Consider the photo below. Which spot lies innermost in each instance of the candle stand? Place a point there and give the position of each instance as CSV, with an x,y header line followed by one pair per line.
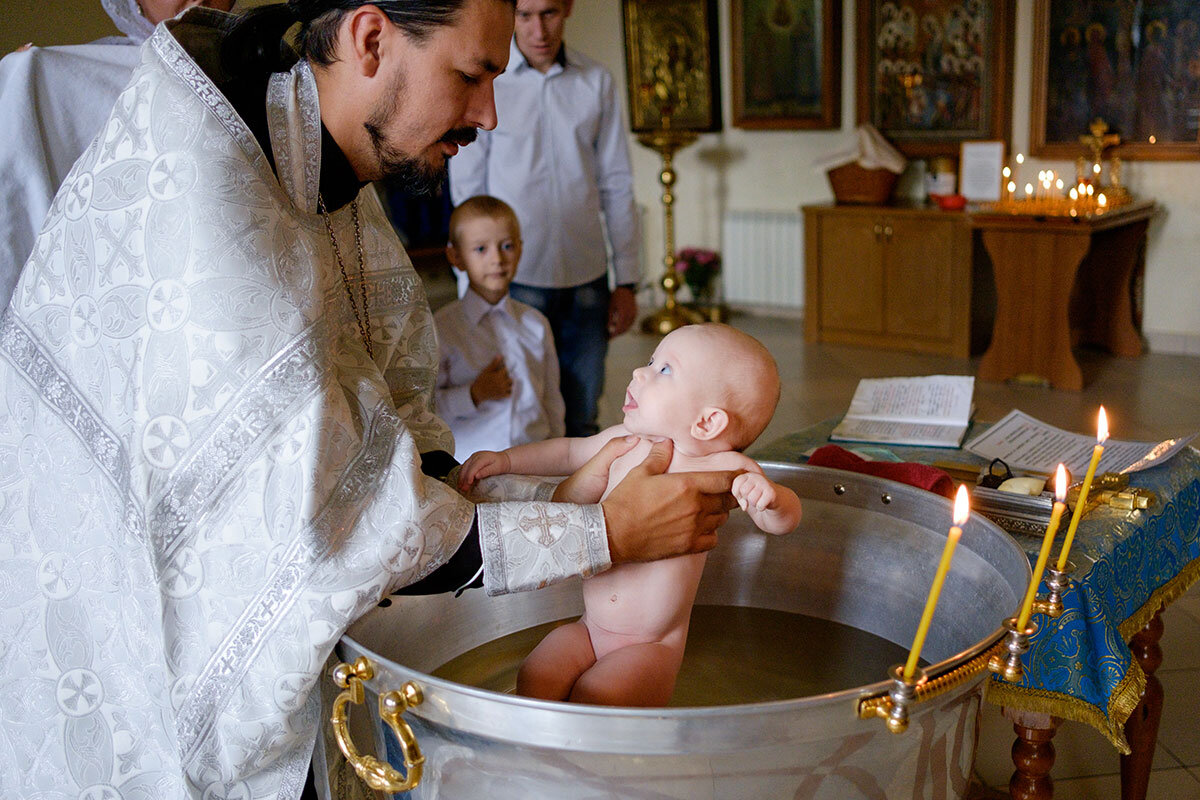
x,y
673,314
1007,664
1057,582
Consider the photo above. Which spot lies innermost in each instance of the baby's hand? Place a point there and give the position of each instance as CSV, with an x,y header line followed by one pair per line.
x,y
480,465
753,491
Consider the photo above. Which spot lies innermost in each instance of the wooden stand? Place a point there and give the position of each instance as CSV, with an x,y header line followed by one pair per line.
x,y
1062,281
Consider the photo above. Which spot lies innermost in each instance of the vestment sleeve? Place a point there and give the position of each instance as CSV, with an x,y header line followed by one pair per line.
x,y
614,179
528,545
469,169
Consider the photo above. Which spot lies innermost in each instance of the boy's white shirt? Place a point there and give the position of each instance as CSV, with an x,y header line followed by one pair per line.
x,y
471,333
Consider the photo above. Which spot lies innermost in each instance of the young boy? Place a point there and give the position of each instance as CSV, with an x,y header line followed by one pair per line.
x,y
498,371
711,390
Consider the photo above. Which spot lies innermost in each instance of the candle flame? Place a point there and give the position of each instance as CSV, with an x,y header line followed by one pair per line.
x,y
1012,187
1074,194
1102,200
1060,483
1102,427
1153,139
1029,188
962,505
1020,158
1096,168
1059,184
1007,172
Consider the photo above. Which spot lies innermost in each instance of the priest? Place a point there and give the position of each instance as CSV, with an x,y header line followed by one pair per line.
x,y
217,447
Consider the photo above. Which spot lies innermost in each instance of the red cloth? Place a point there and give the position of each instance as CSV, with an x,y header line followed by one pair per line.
x,y
922,476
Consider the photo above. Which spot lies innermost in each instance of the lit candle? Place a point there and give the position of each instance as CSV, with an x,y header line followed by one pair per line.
x,y
1102,200
1007,172
1020,158
1060,496
1028,190
961,511
1097,451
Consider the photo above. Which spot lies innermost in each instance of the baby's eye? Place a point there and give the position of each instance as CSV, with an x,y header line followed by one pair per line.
x,y
665,369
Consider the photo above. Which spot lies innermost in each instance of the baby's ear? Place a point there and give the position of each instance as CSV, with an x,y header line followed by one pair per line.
x,y
711,423
452,255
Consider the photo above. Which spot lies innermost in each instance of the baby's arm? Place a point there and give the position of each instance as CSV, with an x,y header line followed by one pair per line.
x,y
560,456
772,507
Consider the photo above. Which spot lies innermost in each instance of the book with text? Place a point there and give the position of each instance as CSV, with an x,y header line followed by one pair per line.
x,y
930,411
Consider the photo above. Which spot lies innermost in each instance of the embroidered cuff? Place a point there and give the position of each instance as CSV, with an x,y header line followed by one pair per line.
x,y
528,545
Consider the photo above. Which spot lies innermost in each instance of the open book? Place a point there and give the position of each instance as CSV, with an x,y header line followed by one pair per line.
x,y
933,411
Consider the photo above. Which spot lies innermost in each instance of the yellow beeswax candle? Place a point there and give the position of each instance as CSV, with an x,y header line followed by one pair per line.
x,y
1097,451
1060,495
961,511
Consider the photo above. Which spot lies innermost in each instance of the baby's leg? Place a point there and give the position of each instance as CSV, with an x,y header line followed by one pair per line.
x,y
551,669
635,675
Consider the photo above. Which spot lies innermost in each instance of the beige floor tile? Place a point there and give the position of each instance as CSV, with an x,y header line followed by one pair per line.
x,y
1179,731
1169,784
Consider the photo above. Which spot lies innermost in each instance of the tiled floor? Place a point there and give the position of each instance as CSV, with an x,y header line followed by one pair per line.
x,y
1153,397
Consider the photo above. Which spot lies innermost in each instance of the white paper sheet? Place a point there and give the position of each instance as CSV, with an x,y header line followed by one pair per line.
x,y
1026,443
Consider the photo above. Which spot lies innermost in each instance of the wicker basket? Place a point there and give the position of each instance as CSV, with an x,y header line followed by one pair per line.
x,y
853,184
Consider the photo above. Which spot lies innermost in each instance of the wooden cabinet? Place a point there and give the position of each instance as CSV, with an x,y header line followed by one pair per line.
x,y
888,276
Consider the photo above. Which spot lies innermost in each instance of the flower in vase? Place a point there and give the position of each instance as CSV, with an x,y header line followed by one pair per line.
x,y
699,269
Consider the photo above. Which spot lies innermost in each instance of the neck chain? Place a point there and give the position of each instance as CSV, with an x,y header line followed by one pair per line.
x,y
364,321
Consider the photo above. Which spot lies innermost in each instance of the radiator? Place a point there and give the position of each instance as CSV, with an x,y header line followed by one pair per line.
x,y
763,259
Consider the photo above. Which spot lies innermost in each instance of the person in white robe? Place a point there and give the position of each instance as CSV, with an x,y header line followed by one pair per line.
x,y
215,408
52,102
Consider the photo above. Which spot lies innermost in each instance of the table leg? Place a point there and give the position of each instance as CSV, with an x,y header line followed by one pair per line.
x,y
1141,730
1103,309
1034,275
1032,754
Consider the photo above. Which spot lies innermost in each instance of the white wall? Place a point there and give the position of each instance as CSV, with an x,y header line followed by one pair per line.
x,y
773,170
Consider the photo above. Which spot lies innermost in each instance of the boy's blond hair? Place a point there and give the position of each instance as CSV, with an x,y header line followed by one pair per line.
x,y
481,205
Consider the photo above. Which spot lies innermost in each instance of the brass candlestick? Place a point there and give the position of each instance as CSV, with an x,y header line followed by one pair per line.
x,y
672,315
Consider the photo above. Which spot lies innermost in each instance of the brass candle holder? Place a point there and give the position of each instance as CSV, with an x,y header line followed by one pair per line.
x,y
901,695
1007,664
673,314
1057,582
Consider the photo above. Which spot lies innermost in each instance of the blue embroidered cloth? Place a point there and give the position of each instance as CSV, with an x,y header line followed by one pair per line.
x,y
1129,564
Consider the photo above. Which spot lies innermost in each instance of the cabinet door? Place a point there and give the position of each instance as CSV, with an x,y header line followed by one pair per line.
x,y
851,273
918,265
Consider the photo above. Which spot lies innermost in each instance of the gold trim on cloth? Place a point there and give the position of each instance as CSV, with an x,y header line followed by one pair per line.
x,y
1128,692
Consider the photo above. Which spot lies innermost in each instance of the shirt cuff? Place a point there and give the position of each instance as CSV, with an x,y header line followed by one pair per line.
x,y
529,545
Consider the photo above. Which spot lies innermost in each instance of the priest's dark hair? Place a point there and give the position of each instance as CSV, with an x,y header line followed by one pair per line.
x,y
255,41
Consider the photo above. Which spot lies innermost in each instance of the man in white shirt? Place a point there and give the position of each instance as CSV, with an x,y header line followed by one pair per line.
x,y
497,368
53,101
560,157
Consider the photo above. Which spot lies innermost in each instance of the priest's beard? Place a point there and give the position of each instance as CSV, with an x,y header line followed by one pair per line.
x,y
397,169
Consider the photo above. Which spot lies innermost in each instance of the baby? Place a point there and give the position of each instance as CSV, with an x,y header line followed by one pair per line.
x,y
711,390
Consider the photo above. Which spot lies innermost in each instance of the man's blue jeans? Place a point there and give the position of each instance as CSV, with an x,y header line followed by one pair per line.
x,y
579,320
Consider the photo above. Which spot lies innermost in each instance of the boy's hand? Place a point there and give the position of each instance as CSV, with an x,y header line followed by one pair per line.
x,y
493,383
652,515
480,465
588,483
754,492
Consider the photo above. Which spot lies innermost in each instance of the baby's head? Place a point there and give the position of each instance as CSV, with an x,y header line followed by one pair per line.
x,y
708,388
485,242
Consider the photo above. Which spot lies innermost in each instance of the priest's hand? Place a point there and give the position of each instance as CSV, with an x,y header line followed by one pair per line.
x,y
588,483
652,515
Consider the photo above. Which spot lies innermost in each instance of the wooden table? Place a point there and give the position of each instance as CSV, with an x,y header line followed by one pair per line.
x,y
1063,281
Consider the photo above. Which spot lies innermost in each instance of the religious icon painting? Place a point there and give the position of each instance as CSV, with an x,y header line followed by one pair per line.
x,y
787,59
1132,64
932,73
671,65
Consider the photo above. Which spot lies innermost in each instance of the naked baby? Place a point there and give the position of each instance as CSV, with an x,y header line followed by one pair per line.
x,y
711,390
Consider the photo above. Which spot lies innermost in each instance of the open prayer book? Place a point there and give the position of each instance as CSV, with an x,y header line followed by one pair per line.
x,y
930,411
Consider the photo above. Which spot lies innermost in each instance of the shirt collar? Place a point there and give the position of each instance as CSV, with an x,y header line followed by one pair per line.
x,y
519,63
475,307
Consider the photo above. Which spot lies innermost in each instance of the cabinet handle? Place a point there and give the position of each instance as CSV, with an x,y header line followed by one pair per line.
x,y
887,232
878,231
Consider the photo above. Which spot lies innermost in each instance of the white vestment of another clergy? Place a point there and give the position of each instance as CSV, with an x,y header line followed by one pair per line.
x,y
203,477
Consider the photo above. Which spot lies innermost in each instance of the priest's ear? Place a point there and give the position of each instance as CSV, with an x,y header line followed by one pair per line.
x,y
366,31
711,423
